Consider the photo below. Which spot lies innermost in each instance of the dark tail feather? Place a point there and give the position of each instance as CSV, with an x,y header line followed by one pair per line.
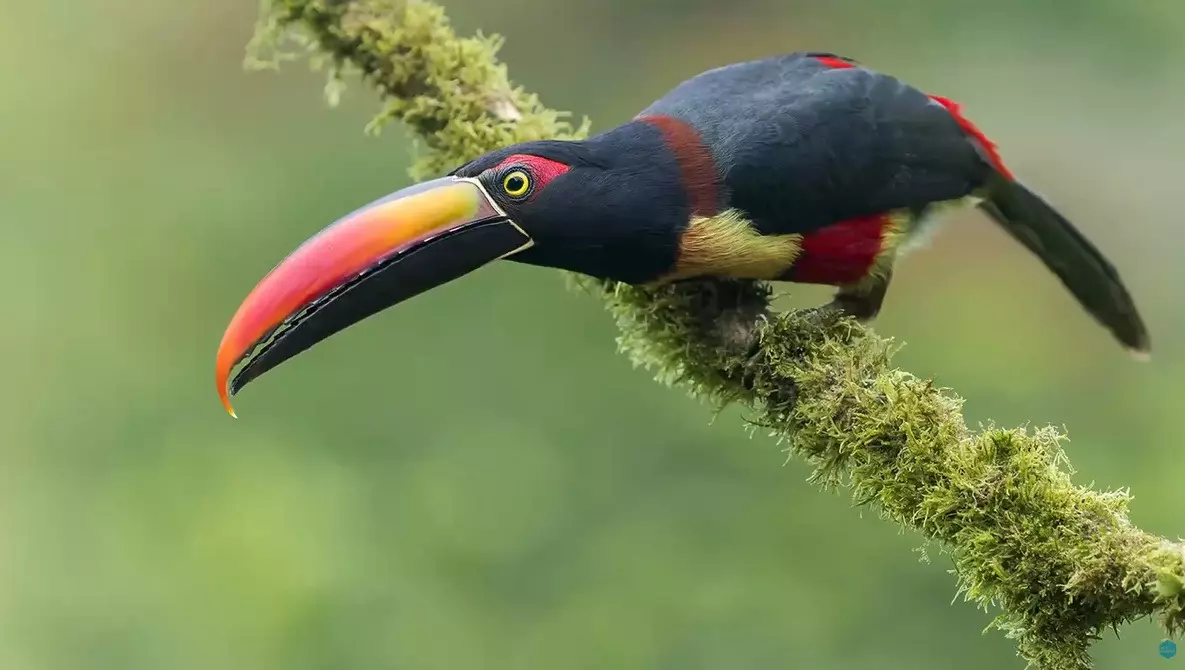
x,y
1080,266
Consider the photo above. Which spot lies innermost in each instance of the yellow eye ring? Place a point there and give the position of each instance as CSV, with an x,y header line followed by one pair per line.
x,y
516,183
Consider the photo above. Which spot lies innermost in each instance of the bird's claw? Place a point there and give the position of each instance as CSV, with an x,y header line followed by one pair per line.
x,y
824,315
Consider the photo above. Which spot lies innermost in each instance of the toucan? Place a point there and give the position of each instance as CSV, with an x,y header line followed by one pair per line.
x,y
803,167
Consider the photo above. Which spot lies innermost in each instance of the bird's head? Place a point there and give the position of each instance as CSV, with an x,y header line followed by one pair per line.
x,y
572,205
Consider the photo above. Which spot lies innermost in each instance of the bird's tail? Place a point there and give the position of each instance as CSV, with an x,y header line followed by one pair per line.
x,y
1064,250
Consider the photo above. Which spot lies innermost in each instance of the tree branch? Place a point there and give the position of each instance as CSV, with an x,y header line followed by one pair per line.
x,y
1061,562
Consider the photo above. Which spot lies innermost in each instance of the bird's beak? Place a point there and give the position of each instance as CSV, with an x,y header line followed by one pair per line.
x,y
380,255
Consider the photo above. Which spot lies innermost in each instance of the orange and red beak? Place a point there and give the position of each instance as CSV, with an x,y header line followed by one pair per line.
x,y
380,255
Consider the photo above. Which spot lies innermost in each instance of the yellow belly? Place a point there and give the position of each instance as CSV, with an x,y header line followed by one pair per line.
x,y
727,245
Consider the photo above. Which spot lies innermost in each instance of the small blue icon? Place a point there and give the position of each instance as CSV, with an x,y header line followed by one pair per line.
x,y
1168,648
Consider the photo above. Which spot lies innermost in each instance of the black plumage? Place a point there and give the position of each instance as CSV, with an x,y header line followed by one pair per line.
x,y
798,144
804,167
801,145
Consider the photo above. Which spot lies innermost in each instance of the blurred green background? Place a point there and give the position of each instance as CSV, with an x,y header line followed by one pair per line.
x,y
476,479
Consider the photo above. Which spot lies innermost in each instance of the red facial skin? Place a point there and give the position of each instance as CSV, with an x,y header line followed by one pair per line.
x,y
542,170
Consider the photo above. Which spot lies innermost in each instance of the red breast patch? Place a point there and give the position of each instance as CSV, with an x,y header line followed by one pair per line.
x,y
842,253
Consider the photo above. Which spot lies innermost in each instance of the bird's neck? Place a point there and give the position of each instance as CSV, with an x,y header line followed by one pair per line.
x,y
632,209
672,148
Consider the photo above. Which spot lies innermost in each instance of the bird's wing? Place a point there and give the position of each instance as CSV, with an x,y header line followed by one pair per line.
x,y
809,139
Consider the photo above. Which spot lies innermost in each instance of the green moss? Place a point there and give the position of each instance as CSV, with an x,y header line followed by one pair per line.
x,y
1061,563
450,92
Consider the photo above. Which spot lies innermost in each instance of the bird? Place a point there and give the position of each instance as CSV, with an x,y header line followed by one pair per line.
x,y
804,167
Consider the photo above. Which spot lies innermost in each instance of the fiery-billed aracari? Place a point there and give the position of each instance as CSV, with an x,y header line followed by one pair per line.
x,y
806,167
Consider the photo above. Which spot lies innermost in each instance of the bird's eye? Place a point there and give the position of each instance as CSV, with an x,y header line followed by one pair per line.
x,y
516,183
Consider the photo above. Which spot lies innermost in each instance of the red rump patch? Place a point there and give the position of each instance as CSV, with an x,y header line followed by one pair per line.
x,y
837,63
700,176
841,253
956,111
542,170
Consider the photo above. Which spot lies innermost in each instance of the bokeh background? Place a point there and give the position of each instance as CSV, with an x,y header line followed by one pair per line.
x,y
476,479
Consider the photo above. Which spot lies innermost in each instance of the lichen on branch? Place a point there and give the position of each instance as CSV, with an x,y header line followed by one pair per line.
x,y
1060,562
449,91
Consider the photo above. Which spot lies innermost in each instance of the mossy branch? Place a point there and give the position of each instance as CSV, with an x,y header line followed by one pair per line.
x,y
1061,562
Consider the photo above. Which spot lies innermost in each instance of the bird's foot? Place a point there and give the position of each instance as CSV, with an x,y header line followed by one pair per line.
x,y
827,314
